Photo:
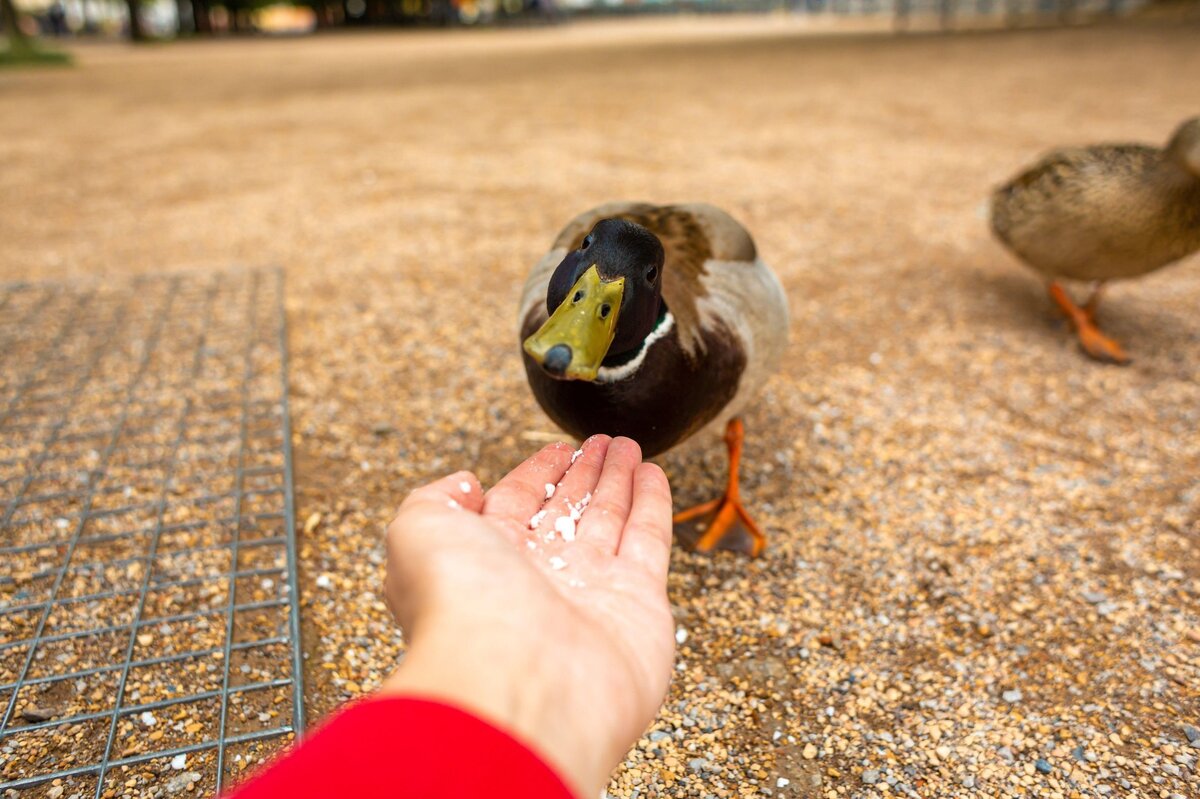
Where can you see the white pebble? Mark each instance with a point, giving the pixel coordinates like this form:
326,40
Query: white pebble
465,486
557,563
148,719
324,581
550,490
565,526
179,762
680,635
782,782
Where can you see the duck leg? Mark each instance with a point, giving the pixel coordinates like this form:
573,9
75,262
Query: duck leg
1092,306
1094,343
731,526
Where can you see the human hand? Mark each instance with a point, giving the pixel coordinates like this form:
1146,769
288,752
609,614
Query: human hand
566,643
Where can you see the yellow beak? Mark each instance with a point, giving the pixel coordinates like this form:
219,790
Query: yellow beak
574,340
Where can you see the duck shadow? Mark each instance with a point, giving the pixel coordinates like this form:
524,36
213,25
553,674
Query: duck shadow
1158,340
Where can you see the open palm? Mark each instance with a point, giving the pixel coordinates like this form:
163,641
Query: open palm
542,604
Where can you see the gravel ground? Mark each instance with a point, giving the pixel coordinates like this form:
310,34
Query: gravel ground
984,571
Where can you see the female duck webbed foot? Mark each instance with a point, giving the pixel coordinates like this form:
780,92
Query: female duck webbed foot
1094,343
729,524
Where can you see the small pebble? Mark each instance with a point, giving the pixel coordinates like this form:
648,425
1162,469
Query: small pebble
34,714
324,581
870,777
681,635
782,782
1013,696
1191,733
1043,766
179,762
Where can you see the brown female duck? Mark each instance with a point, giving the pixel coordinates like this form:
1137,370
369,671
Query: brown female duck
1101,213
656,322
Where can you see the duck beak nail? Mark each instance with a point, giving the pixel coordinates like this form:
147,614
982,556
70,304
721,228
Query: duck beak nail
558,358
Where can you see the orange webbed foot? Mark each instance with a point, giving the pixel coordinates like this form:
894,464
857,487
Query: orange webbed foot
729,527
1100,347
1097,345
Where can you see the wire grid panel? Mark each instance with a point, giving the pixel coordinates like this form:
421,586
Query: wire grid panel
149,628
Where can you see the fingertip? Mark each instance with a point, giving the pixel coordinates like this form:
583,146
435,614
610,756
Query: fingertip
652,476
466,481
595,449
625,444
467,484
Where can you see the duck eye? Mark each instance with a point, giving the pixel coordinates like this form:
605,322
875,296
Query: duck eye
578,296
605,310
651,274
587,241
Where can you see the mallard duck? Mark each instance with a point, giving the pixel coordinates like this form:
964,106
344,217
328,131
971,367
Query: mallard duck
656,322
1102,213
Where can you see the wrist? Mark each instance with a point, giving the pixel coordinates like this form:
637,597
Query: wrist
511,689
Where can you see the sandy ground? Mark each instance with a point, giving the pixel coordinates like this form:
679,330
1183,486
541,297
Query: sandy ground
984,574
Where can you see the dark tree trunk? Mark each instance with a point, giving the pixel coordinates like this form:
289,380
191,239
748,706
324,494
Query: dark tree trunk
17,40
183,21
200,17
136,33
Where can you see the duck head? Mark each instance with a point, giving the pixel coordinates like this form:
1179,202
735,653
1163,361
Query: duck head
603,300
1185,145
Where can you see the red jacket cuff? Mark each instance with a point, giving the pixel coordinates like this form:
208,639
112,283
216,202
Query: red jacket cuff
402,747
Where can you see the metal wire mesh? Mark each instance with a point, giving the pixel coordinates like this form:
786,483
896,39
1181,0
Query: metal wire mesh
149,627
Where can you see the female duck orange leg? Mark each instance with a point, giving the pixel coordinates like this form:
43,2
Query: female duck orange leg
1094,343
728,508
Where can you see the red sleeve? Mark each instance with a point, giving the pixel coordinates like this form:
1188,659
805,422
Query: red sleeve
406,749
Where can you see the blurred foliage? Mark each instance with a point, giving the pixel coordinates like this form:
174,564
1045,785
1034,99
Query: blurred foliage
21,49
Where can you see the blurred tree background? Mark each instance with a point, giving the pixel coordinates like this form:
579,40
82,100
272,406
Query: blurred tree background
23,21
